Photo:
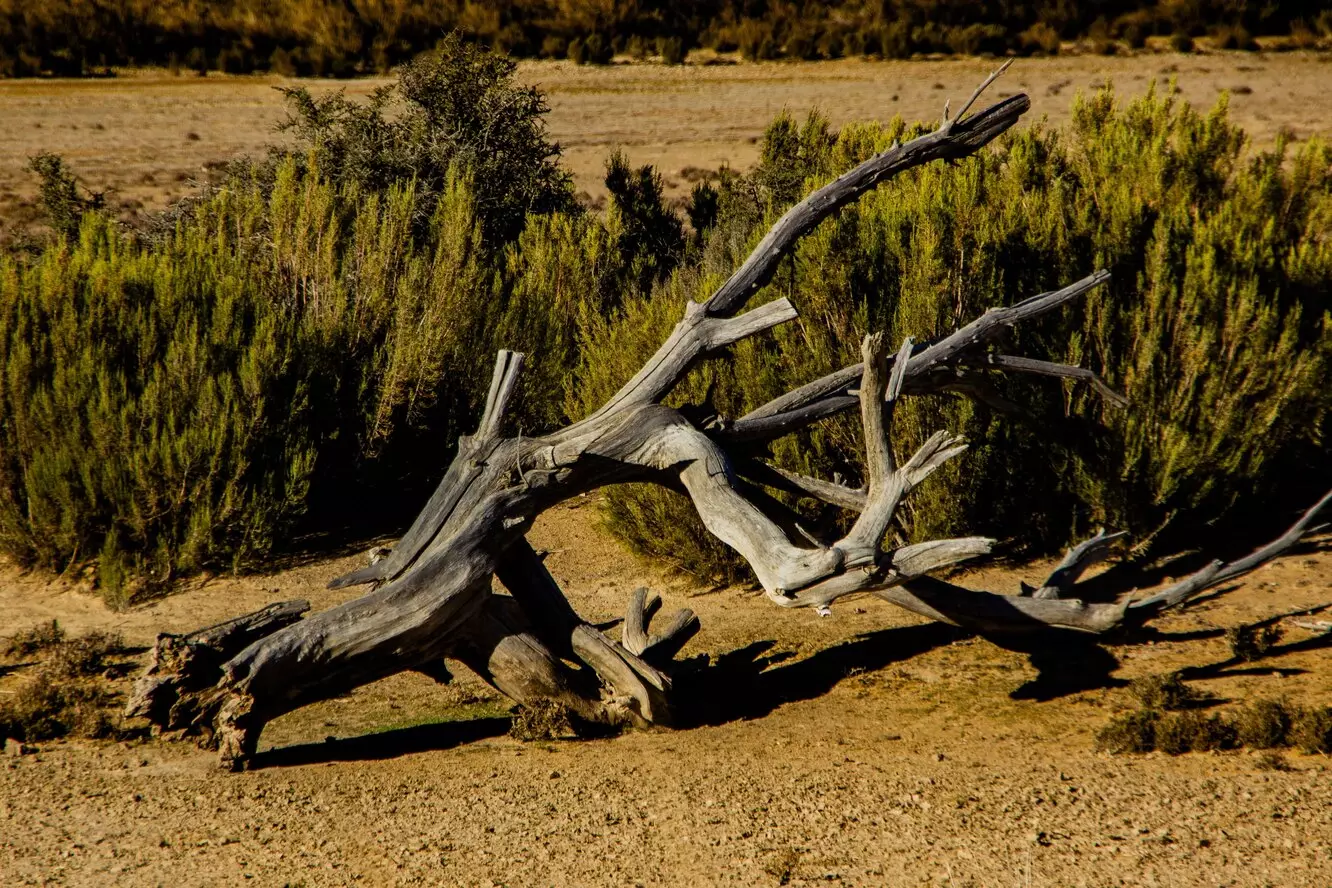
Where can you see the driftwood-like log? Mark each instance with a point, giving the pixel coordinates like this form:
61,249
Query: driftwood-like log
436,595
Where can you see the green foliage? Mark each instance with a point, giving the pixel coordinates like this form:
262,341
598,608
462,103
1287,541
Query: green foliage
457,106
60,195
283,354
169,404
1214,325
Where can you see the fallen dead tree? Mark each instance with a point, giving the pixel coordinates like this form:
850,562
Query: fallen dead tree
432,596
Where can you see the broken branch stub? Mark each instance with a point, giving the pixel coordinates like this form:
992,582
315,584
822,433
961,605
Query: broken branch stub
435,597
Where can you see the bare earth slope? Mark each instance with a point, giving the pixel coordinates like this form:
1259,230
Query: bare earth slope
148,137
870,750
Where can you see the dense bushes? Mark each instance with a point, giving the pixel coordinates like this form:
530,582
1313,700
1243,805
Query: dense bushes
1215,325
341,38
287,353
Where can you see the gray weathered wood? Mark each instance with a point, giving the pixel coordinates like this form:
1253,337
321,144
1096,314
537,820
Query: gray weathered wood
433,598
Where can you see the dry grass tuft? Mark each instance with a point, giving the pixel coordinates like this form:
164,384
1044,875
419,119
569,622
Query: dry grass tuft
542,720
61,696
1263,724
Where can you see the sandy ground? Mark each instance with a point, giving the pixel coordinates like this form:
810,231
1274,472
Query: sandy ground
148,137
862,749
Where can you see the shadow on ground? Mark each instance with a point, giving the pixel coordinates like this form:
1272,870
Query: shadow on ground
383,745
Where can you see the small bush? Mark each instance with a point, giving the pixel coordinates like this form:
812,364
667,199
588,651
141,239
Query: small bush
1180,41
1263,724
1165,692
1233,37
1174,734
1252,642
895,40
1131,732
1191,731
62,199
1311,730
84,656
45,708
672,50
1041,39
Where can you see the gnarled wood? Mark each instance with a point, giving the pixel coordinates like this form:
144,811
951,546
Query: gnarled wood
432,597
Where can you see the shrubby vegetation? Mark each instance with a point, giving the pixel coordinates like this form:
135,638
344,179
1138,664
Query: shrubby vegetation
1215,325
340,38
317,327
294,351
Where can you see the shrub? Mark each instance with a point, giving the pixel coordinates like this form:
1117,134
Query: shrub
1252,642
1311,730
895,40
61,197
1263,724
1131,732
1180,41
1040,38
1167,692
457,106
672,50
1214,325
1233,37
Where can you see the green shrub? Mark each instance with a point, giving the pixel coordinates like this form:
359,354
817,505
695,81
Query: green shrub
672,50
1214,325
459,105
1040,38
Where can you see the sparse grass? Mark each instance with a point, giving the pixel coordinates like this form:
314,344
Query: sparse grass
27,642
60,695
542,720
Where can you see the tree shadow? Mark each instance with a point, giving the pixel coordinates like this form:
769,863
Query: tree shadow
1109,585
747,683
383,745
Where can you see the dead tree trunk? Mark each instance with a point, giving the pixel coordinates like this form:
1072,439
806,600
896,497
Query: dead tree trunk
433,599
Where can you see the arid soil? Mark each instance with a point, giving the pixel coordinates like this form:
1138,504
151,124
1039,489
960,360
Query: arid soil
866,748
147,138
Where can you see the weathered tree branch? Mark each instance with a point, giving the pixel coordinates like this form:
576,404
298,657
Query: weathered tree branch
433,598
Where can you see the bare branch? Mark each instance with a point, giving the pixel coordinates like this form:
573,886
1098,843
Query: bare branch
949,142
1078,559
1217,572
802,485
503,382
828,396
1046,368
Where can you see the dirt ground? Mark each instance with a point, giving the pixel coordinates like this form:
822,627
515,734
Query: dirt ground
867,748
149,137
